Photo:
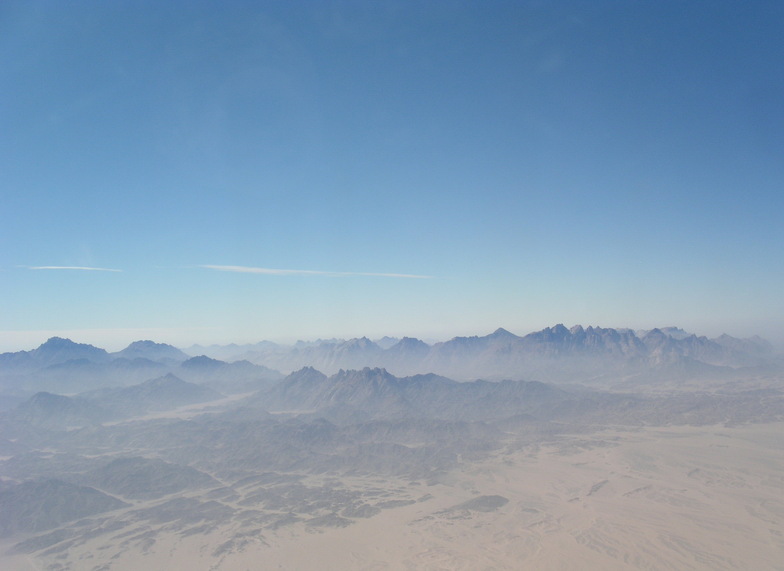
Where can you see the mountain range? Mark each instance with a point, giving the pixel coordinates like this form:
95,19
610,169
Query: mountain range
128,465
53,411
555,354
377,394
64,367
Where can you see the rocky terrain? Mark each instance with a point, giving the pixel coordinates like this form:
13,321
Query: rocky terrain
210,464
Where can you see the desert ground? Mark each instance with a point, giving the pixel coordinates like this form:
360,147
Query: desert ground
709,497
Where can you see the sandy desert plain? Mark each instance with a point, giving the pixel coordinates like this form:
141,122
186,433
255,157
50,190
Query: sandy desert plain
659,498
709,497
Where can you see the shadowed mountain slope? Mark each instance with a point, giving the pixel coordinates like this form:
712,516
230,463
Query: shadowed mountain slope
163,393
52,411
37,506
379,394
145,478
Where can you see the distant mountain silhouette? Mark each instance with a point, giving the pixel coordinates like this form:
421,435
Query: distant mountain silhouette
164,393
239,376
160,352
554,353
55,350
559,354
62,366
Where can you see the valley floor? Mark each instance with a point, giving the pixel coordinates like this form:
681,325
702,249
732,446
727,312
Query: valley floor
683,497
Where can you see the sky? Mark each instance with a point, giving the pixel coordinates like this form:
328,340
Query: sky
216,172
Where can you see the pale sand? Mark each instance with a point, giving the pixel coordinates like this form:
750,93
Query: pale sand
658,498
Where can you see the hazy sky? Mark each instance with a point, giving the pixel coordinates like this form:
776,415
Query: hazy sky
283,170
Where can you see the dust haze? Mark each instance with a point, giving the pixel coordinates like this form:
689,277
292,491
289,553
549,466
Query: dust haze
565,448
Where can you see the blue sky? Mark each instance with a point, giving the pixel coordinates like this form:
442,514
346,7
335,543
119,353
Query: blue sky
417,168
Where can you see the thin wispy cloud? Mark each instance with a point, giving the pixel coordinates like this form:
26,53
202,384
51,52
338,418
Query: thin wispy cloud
79,268
280,272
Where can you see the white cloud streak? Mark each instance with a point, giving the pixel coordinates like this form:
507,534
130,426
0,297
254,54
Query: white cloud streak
80,268
277,272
